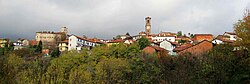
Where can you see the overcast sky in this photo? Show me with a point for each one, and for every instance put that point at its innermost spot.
(108, 18)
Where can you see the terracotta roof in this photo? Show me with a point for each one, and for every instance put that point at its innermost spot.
(189, 46)
(183, 47)
(90, 40)
(224, 39)
(157, 48)
(116, 41)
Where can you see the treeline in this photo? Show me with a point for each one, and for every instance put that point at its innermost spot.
(126, 64)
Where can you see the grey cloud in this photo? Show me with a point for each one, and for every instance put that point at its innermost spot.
(107, 18)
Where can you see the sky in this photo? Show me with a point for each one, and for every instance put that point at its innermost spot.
(107, 18)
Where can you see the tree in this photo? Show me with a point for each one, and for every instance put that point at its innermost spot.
(143, 42)
(55, 52)
(179, 33)
(39, 47)
(127, 34)
(242, 30)
(112, 70)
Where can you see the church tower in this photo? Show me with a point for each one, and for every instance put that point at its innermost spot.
(148, 25)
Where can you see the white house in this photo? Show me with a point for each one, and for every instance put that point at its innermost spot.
(168, 46)
(78, 43)
(217, 41)
(162, 38)
(232, 36)
(21, 43)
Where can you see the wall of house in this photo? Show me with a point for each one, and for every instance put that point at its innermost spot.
(159, 39)
(72, 43)
(198, 49)
(49, 39)
(167, 46)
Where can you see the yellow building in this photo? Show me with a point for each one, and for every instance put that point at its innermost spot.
(63, 45)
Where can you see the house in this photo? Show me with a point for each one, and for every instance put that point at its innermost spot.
(78, 43)
(3, 42)
(169, 46)
(115, 42)
(201, 37)
(232, 36)
(167, 34)
(33, 42)
(182, 47)
(197, 49)
(160, 38)
(184, 38)
(152, 49)
(20, 43)
(63, 45)
(50, 39)
(222, 39)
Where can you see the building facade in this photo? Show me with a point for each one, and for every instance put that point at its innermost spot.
(50, 39)
(78, 43)
(148, 25)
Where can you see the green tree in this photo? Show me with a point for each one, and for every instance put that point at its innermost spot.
(12, 65)
(39, 47)
(143, 42)
(179, 33)
(55, 52)
(59, 69)
(112, 70)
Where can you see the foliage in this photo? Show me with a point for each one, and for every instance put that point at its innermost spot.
(242, 30)
(143, 42)
(39, 47)
(55, 52)
(179, 33)
(126, 64)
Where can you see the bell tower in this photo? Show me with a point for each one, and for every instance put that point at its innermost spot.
(148, 25)
(65, 30)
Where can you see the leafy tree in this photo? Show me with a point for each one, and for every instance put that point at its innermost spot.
(59, 69)
(179, 33)
(39, 47)
(112, 70)
(143, 42)
(242, 30)
(55, 52)
(81, 75)
(11, 67)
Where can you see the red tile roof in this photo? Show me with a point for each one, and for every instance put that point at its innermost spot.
(183, 47)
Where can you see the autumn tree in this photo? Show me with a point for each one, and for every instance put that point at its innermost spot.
(242, 30)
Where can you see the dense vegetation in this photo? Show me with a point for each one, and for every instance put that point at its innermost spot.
(128, 64)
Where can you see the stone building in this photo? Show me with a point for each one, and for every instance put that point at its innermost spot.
(50, 39)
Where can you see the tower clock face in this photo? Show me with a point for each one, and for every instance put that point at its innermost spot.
(148, 27)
